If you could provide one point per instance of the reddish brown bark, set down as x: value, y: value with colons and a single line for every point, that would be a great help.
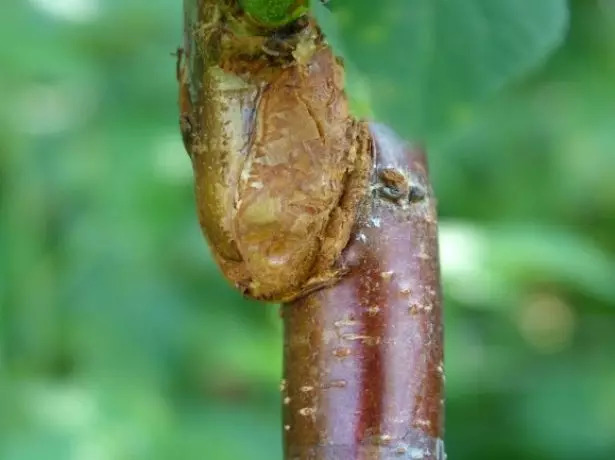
x: 363, y: 360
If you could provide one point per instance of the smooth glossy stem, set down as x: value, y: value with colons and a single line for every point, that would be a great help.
x: 363, y: 360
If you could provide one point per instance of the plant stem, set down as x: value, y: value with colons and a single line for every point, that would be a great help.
x: 363, y: 360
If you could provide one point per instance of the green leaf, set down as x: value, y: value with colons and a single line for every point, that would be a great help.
x: 493, y: 266
x: 428, y: 61
x: 533, y: 253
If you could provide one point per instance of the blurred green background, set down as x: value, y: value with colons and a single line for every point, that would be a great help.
x: 119, y: 340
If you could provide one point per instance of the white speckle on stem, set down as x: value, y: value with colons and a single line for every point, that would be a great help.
x: 345, y: 323
x: 423, y: 423
x: 417, y: 453
x: 361, y: 237
x: 366, y: 339
x: 307, y: 411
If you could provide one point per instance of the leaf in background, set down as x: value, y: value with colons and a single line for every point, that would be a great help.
x: 533, y: 253
x: 493, y: 265
x: 427, y: 61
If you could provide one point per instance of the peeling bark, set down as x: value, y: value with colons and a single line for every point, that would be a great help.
x: 363, y: 359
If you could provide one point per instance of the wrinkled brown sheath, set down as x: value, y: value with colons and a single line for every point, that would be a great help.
x: 363, y: 360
